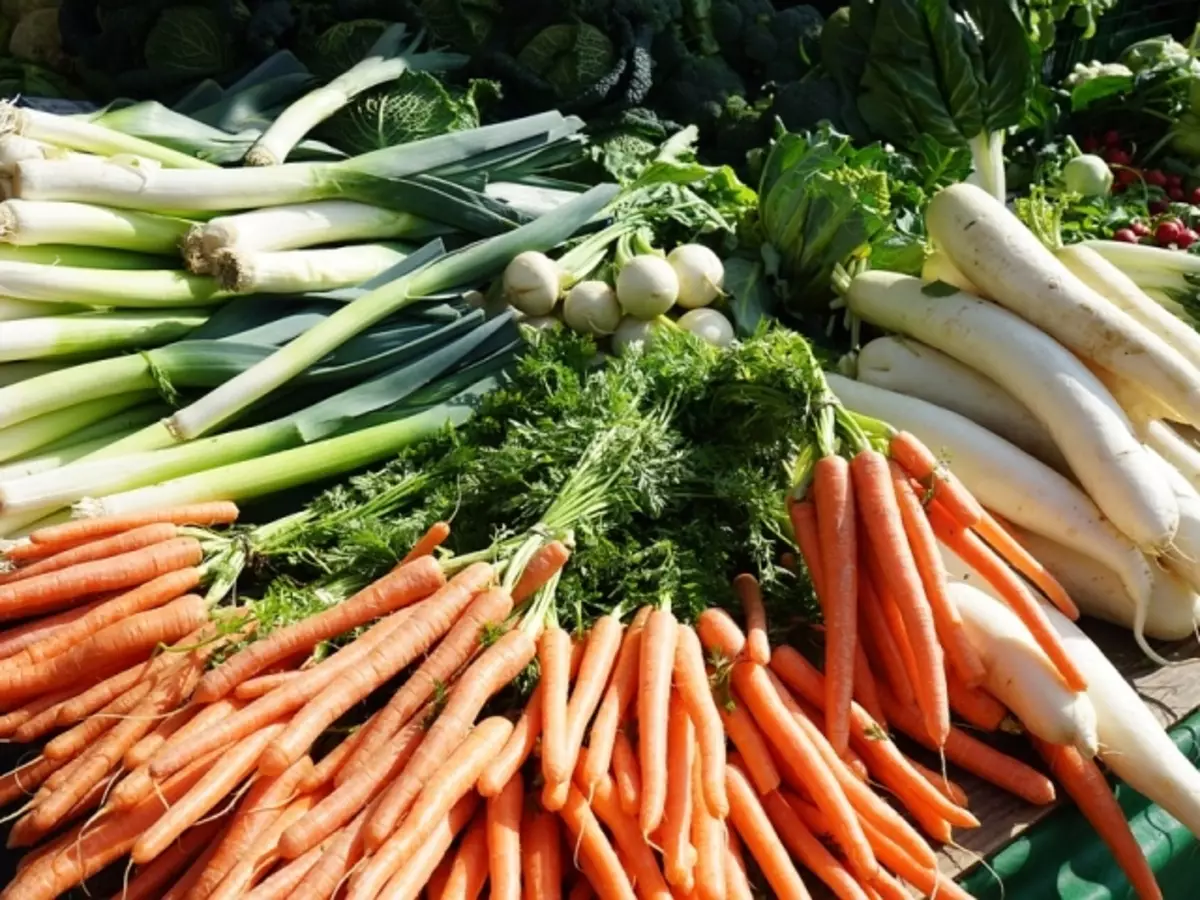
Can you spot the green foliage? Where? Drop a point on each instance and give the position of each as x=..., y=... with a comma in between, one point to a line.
x=1043, y=16
x=463, y=24
x=570, y=57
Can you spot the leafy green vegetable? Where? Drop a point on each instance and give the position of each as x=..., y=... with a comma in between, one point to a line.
x=569, y=57
x=343, y=45
x=188, y=41
x=1042, y=17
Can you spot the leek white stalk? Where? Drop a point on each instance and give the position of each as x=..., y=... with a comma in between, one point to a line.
x=297, y=271
x=91, y=332
x=14, y=148
x=80, y=134
x=15, y=373
x=59, y=388
x=18, y=440
x=460, y=268
x=14, y=310
x=47, y=460
x=116, y=183
x=294, y=226
x=279, y=471
x=385, y=61
x=26, y=222
x=146, y=289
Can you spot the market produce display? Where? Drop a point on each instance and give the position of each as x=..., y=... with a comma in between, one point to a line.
x=432, y=469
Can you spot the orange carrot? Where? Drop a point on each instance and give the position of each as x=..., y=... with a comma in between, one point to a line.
x=754, y=685
x=338, y=858
x=286, y=879
x=452, y=653
x=261, y=685
x=541, y=843
x=203, y=514
x=708, y=839
x=945, y=786
x=697, y=699
x=37, y=716
x=63, y=587
x=1086, y=785
x=834, y=493
x=737, y=884
x=124, y=542
x=428, y=624
x=884, y=760
x=866, y=691
x=150, y=880
x=761, y=839
x=751, y=745
x=554, y=658
x=917, y=460
x=882, y=642
x=581, y=890
x=886, y=537
x=437, y=881
x=407, y=883
x=14, y=640
x=429, y=542
x=592, y=847
x=803, y=515
x=140, y=752
x=975, y=706
x=399, y=588
x=112, y=688
x=493, y=670
x=971, y=549
x=720, y=634
x=654, y=695
x=963, y=656
x=617, y=696
x=677, y=811
x=542, y=566
x=805, y=846
x=976, y=757
x=599, y=656
x=758, y=645
x=469, y=870
x=332, y=763
x=1012, y=552
x=627, y=774
x=504, y=839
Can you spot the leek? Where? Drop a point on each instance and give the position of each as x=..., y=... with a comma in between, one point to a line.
x=92, y=332
x=14, y=148
x=18, y=372
x=462, y=267
x=295, y=226
x=146, y=289
x=21, y=439
x=14, y=310
x=81, y=257
x=364, y=178
x=80, y=134
x=297, y=271
x=25, y=222
x=385, y=61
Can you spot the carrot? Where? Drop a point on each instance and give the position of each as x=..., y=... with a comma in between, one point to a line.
x=882, y=641
x=140, y=752
x=754, y=685
x=426, y=626
x=750, y=744
x=975, y=706
x=677, y=811
x=963, y=656
x=627, y=774
x=276, y=704
x=1086, y=785
x=542, y=860
x=592, y=847
x=971, y=549
x=866, y=691
x=931, y=824
x=834, y=491
x=599, y=657
x=261, y=685
x=758, y=645
x=977, y=757
x=27, y=777
x=332, y=763
x=1012, y=552
x=41, y=711
x=654, y=695
x=944, y=785
x=429, y=542
x=884, y=526
x=884, y=760
x=263, y=854
x=697, y=699
x=123, y=542
x=803, y=515
x=737, y=884
x=917, y=460
x=203, y=514
x=339, y=856
x=109, y=648
x=805, y=846
x=621, y=690
x=720, y=634
x=14, y=640
x=27, y=830
x=66, y=586
x=504, y=839
x=887, y=887
x=581, y=890
x=257, y=810
x=352, y=795
x=452, y=780
x=399, y=588
x=554, y=658
x=150, y=880
x=111, y=689
x=755, y=829
x=70, y=743
x=452, y=653
x=469, y=870
x=542, y=566
x=707, y=837
x=407, y=883
x=286, y=879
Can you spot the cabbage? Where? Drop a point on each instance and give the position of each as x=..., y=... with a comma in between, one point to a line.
x=463, y=24
x=572, y=58
x=36, y=38
x=343, y=46
x=188, y=42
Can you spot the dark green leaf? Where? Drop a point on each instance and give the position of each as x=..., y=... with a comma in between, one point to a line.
x=751, y=300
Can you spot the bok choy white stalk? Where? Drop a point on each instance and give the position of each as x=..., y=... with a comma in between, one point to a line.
x=297, y=271
x=385, y=61
x=26, y=222
x=294, y=226
x=92, y=332
x=364, y=178
x=460, y=268
x=79, y=134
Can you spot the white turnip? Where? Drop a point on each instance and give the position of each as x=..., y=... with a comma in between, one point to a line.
x=700, y=274
x=591, y=307
x=708, y=325
x=532, y=283
x=647, y=286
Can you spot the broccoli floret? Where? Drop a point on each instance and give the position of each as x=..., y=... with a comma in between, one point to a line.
x=779, y=46
x=803, y=105
x=870, y=185
x=697, y=90
x=658, y=14
x=742, y=127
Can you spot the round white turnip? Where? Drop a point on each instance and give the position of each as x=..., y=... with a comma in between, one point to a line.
x=647, y=286
x=591, y=307
x=532, y=283
x=708, y=325
x=700, y=274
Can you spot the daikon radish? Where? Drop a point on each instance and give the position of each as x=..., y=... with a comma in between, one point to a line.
x=1005, y=259
x=910, y=367
x=939, y=267
x=1139, y=406
x=1165, y=440
x=1184, y=553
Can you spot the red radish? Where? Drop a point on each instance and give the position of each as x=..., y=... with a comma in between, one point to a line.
x=1158, y=207
x=1112, y=137
x=1168, y=232
x=1175, y=192
x=1156, y=178
x=1195, y=198
x=1141, y=229
x=1125, y=235
x=1175, y=180
x=1186, y=239
x=1119, y=158
x=1127, y=176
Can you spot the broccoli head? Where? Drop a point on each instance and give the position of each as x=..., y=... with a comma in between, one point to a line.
x=697, y=89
